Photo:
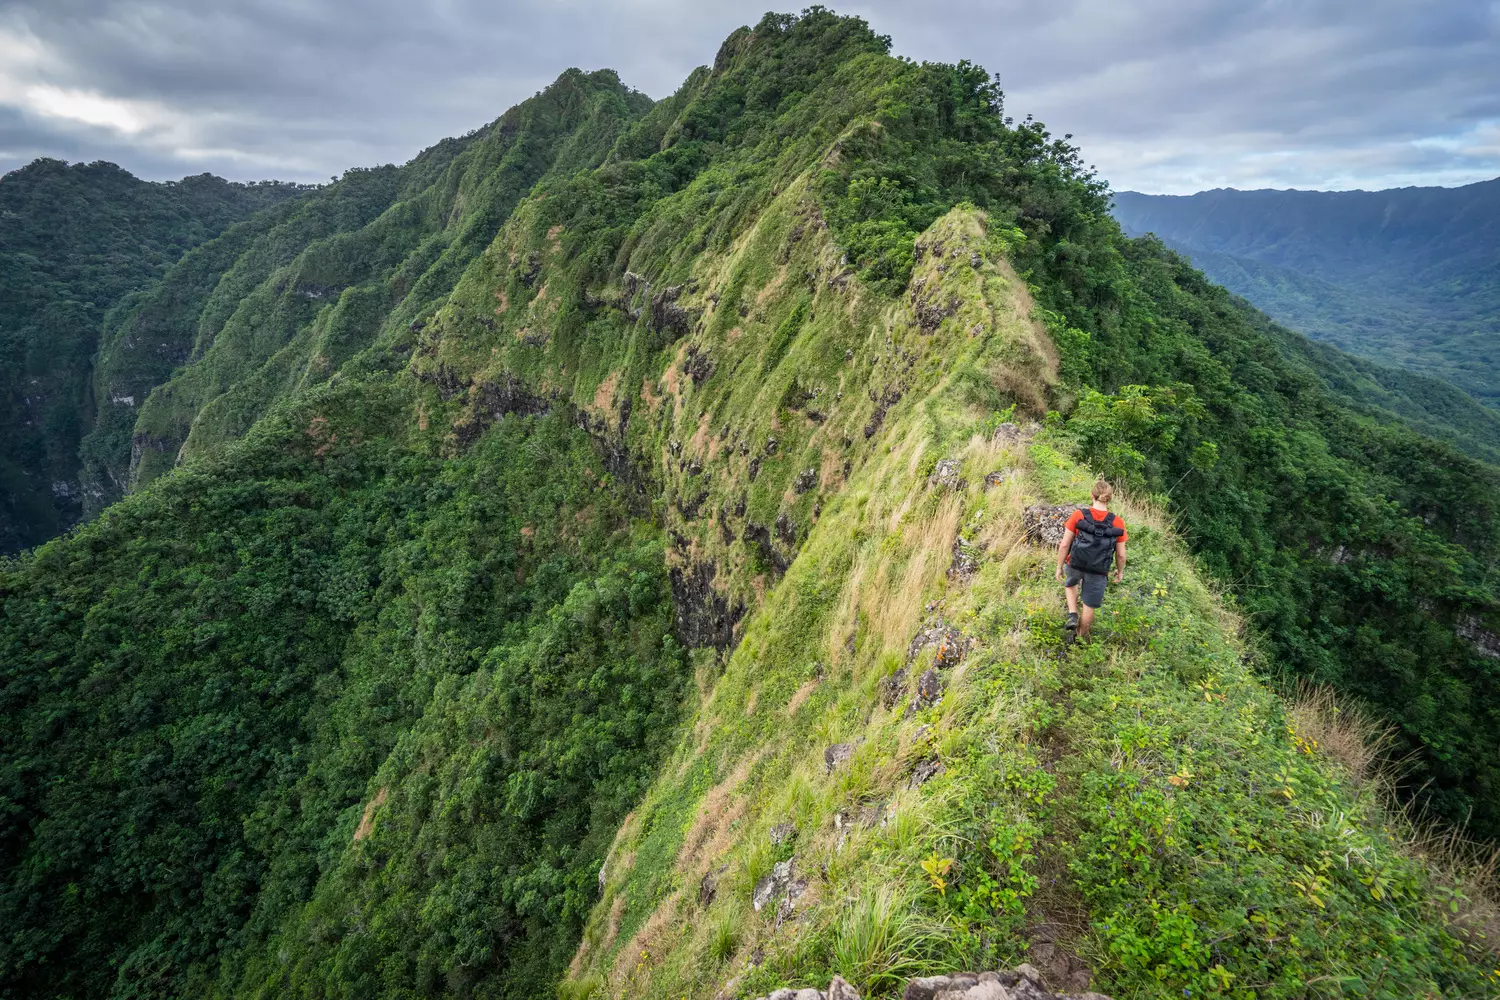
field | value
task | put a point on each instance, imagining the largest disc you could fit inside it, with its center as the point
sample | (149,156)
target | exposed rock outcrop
(508,396)
(704,616)
(782,886)
(667,316)
(1044,523)
(1022,983)
(950,642)
(924,772)
(945,474)
(836,755)
(966,558)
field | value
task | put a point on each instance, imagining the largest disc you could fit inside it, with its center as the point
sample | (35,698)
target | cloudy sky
(1164,96)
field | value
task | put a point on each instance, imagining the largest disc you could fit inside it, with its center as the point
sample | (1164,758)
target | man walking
(1092,539)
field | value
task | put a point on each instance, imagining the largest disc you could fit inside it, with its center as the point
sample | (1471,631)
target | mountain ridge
(714,457)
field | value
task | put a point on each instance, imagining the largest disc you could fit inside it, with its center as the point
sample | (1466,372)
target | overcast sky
(1163,95)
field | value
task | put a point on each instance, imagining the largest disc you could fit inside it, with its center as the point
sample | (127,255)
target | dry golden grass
(634,962)
(719,810)
(1471,868)
(1340,730)
(929,553)
(845,621)
(799,696)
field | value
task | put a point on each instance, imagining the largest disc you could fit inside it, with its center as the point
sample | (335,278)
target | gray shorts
(1093,585)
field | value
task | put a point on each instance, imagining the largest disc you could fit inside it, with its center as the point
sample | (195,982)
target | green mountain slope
(75,241)
(1405,277)
(581,550)
(283,303)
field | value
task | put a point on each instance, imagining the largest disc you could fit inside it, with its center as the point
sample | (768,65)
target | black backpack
(1094,544)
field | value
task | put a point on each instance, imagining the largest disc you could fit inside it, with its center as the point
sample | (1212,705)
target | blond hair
(1103,492)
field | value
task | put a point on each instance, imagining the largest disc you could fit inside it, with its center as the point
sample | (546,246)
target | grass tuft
(1322,721)
(878,940)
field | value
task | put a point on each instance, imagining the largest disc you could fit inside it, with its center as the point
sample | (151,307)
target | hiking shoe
(1072,623)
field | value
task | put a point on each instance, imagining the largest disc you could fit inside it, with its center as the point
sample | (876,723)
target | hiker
(1092,539)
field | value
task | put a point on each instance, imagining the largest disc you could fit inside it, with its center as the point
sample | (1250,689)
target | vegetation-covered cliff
(75,241)
(513,578)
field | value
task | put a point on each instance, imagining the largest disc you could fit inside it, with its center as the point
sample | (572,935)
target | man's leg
(1085,621)
(1071,593)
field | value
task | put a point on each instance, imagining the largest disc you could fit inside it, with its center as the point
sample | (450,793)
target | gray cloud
(1163,96)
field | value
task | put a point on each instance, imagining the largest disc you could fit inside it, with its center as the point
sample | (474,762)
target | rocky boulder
(1021,983)
(1044,523)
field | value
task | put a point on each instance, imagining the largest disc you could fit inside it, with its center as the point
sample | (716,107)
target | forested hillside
(544,541)
(1407,277)
(282,303)
(75,241)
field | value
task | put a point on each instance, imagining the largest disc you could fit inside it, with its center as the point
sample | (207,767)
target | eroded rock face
(667,316)
(1483,641)
(704,616)
(836,755)
(1045,523)
(893,688)
(775,886)
(698,366)
(929,691)
(506,397)
(966,559)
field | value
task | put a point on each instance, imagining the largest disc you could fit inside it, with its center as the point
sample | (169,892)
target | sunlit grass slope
(1140,806)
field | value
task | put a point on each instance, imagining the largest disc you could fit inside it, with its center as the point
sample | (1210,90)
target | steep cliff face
(643,597)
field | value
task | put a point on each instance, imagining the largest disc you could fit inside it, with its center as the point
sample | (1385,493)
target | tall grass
(879,941)
(724,935)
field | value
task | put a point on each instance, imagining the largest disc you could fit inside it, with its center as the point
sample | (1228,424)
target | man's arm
(1062,551)
(1119,562)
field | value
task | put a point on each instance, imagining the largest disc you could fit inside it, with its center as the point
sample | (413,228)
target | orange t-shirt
(1077,516)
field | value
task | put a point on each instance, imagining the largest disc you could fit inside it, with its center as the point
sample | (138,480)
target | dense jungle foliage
(319,615)
(74,241)
(350,694)
(1405,277)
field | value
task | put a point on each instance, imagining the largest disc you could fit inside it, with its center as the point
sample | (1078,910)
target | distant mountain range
(1409,277)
